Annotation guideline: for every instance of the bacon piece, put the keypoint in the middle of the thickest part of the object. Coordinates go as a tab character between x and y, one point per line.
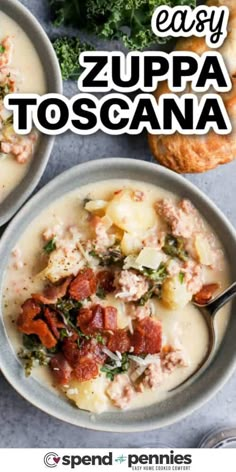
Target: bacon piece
27	325
205	294
84	285
74	352
90	319
147	337
61	369
52	294
53	322
74	336
96	322
97	318
92	349
86	370
30	310
105	280
110	318
84	358
71	351
90	357
119	341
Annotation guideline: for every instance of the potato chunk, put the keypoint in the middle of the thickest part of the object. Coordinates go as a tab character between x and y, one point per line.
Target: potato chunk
94	206
90	395
129	214
175	294
150	257
130	244
204	250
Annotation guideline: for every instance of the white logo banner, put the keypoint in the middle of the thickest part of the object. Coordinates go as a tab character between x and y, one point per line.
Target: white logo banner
119	460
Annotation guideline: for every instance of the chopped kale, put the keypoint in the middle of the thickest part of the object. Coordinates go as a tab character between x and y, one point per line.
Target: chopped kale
69	309
128	20
8	121
50	246
82	336
181	277
111	371
85	201
94	253
100	339
63	333
157	275
174	247
4	90
2	49
113	256
156	278
54	350
31	342
147	296
66	305
32	358
101	293
85	336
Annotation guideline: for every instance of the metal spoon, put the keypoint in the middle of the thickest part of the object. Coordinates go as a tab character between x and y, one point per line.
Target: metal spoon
209	311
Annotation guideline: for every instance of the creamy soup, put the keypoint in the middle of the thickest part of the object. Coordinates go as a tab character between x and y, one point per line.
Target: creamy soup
20	71
114	268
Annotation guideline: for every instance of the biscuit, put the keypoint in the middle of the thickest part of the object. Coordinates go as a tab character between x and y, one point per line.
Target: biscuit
191	153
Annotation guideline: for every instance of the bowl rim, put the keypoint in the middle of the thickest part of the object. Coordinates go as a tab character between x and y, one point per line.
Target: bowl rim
23	190
23	388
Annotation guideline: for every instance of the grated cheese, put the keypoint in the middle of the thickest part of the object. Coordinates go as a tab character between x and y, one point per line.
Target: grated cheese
113	356
149	359
73	391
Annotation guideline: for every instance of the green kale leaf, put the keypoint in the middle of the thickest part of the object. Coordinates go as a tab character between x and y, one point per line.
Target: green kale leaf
157	275
111	371
174	247
68	50
50	246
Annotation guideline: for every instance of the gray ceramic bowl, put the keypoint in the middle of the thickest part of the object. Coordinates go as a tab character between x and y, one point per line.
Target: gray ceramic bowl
182	402
35	32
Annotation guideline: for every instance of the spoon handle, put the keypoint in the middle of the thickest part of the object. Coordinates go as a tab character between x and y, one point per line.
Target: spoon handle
214	306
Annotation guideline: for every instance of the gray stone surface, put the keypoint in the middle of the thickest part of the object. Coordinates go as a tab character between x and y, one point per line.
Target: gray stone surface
21	424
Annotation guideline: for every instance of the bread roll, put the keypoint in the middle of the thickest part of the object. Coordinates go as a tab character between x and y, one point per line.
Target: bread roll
186	153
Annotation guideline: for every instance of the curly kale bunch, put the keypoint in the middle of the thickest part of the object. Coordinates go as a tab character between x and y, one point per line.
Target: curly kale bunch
129	20
126	20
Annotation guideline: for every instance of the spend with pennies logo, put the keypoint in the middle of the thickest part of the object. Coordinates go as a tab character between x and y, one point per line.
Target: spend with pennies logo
51	459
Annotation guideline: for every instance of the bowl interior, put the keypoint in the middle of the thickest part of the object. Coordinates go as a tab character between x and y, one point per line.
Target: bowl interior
182	402
42	44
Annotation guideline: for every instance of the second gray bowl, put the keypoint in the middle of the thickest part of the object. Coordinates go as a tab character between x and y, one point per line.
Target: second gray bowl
43	46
